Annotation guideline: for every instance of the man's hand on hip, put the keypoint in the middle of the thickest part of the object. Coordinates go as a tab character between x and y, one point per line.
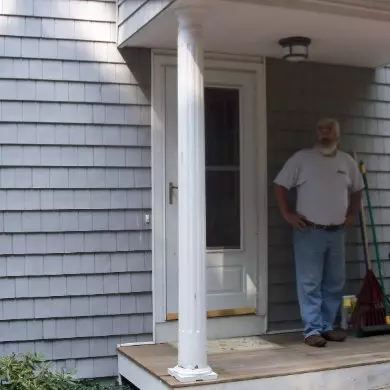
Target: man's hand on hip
295	219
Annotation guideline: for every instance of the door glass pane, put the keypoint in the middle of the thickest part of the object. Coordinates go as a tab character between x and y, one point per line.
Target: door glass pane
222	116
222	127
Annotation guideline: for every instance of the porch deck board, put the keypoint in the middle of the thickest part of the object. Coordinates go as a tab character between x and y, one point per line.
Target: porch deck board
290	356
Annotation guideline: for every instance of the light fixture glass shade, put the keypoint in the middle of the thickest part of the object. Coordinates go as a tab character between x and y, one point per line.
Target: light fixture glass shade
295	49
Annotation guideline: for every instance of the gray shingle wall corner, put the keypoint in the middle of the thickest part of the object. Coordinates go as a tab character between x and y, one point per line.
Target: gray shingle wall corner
297	96
75	274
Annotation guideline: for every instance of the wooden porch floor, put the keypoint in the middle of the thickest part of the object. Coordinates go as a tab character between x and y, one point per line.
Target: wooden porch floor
287	356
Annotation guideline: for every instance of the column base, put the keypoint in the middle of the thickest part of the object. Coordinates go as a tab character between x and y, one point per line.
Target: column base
186	375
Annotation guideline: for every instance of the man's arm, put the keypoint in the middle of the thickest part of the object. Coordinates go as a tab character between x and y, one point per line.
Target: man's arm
294	219
281	199
355	200
288	178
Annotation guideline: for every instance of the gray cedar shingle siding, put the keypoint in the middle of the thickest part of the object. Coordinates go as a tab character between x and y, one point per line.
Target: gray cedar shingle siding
297	96
75	261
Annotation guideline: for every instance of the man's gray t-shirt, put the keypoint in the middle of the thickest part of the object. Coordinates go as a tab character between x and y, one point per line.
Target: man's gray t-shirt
323	184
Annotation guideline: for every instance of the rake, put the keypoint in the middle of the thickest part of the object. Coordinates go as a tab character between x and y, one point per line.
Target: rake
369	315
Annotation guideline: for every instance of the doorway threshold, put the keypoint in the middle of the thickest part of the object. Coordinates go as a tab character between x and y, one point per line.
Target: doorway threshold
217	328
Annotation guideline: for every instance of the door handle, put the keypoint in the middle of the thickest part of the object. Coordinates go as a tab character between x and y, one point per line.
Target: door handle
171	188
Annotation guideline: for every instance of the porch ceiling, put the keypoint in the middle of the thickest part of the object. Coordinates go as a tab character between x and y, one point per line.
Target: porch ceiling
341	33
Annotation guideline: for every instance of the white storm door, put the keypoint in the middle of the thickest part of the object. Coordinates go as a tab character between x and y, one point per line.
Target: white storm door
231	204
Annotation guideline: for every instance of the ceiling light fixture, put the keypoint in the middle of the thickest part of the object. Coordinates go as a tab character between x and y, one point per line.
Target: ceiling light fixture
295	49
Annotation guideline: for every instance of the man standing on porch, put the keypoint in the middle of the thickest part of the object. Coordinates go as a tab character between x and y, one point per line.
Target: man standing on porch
329	187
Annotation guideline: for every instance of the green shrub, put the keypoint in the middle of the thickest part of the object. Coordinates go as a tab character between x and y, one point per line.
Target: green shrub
32	372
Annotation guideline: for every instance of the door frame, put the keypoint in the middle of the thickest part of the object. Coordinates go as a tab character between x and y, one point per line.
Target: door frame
161	59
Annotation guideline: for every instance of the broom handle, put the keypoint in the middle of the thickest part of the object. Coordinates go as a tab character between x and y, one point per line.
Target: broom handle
363	228
378	261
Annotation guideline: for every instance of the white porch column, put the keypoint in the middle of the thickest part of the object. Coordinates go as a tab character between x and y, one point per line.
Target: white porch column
192	360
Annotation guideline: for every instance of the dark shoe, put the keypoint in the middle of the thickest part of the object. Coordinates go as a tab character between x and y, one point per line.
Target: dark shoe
335	335
315	341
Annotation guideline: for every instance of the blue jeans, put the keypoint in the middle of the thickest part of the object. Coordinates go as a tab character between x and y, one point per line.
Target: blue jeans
320	273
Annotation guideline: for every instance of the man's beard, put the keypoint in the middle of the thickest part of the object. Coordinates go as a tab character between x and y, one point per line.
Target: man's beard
327	149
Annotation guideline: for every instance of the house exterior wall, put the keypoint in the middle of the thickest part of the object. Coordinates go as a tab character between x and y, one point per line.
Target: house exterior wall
297	96
75	261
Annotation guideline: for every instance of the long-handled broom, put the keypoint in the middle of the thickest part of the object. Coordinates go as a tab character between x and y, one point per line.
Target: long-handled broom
369	316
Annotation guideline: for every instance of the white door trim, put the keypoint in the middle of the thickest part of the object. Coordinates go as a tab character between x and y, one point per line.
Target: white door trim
161	59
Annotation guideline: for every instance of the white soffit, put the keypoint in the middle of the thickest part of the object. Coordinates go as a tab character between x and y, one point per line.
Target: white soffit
248	28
